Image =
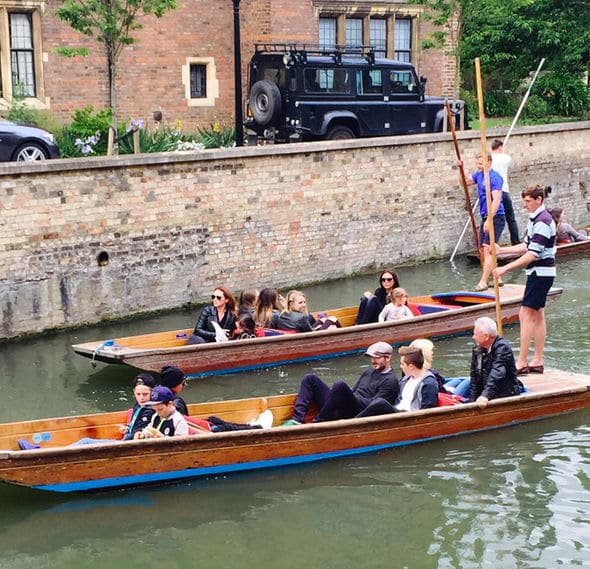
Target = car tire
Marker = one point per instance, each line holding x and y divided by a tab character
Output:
30	152
265	102
340	132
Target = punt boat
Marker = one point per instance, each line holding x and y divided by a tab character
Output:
563	250
119	464
436	316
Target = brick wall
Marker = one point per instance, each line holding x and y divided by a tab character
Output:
175	225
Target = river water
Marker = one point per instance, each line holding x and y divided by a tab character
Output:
512	498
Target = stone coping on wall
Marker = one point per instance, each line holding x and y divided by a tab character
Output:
110	162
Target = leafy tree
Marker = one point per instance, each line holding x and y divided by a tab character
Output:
511	37
111	22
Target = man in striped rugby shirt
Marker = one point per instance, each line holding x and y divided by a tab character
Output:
538	256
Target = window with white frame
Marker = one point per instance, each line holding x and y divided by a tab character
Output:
199	77
354	32
21	57
378	40
403	39
327	28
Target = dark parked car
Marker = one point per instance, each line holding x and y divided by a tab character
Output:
301	94
19	143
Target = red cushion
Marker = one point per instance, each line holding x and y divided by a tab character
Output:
446	399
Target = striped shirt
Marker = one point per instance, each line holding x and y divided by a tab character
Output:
541	241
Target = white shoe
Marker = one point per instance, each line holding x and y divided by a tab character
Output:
264	420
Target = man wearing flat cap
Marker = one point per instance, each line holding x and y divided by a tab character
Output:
342	402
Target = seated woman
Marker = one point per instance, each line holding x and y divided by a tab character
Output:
221	312
247	302
396	309
566	233
372	304
295	316
269	302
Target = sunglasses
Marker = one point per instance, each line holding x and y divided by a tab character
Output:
386	279
217	296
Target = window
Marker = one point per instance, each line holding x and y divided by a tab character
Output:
198	81
378	40
402	82
403	40
368	82
21	56
354	32
327	33
201	86
327	80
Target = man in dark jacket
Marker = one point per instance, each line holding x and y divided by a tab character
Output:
173	378
493	369
342	402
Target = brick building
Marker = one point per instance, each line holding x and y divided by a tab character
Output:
182	64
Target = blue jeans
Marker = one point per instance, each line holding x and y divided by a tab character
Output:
460	385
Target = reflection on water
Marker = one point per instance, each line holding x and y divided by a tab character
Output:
513	498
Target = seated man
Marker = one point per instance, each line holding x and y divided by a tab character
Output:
174	379
342	402
418	389
493	369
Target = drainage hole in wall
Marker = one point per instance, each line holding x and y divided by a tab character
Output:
102	259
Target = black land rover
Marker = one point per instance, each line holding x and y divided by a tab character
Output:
298	93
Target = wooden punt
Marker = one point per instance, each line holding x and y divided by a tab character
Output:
119	464
563	250
442	315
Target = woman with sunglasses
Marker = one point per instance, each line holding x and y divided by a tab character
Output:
372	304
222	311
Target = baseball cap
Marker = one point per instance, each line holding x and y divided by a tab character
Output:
160	394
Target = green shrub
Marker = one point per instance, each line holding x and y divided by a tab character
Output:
565	94
217	136
21	113
535	108
499	104
163	139
88	123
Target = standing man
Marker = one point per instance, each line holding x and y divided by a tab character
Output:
493	371
492	214
500	163
342	402
538	256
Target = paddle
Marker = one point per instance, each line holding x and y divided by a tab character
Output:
486	169
451	121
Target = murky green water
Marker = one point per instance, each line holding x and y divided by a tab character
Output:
517	497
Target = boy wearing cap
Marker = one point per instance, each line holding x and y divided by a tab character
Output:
173	378
166	421
342	402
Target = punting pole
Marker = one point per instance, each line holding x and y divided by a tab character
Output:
486	171
522	104
451	122
505	142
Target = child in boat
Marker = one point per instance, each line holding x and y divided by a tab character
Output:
245	327
174	379
139	416
396	309
166	421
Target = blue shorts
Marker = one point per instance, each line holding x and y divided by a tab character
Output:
499	224
535	292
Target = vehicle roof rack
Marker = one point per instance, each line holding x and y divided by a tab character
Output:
302	51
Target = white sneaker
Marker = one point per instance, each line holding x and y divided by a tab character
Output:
264	420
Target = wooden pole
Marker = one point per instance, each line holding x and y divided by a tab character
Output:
486	170
451	122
